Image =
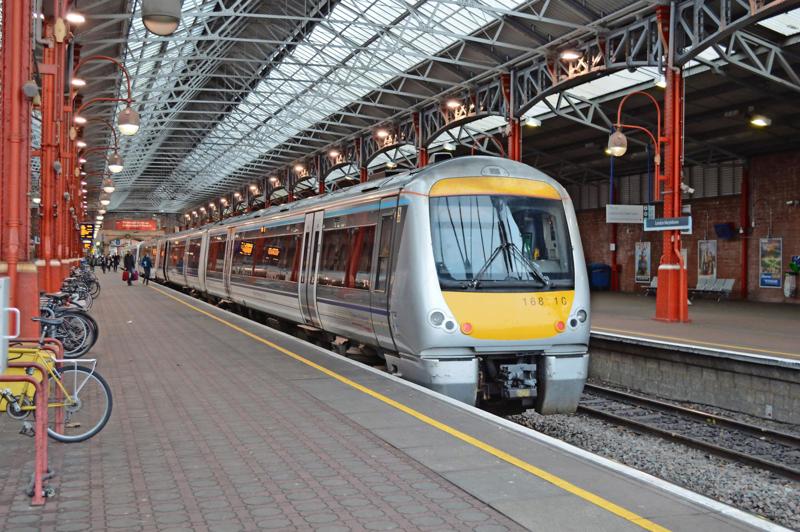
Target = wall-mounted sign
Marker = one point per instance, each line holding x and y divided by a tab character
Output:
683	223
625	214
642	257
706	260
87	232
136	225
769	263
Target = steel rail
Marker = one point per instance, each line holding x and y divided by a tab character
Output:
783	438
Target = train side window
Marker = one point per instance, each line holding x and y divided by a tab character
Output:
361	259
242	263
384	251
334	257
216	254
176	256
193	260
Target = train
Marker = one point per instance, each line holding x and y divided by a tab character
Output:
466	276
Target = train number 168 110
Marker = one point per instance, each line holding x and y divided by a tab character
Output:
538	301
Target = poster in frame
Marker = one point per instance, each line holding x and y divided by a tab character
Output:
642	265
706	260
770	259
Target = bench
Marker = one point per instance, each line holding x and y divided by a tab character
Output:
651	288
717	288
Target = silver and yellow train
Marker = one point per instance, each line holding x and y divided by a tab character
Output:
466	276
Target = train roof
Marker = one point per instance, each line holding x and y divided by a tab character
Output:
447	168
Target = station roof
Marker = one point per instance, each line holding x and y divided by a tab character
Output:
246	87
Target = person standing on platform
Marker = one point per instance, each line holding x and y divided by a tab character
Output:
116	261
103	263
130	265
146	265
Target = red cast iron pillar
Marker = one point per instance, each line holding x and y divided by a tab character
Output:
514	130
672	297
422	150
16	115
50	268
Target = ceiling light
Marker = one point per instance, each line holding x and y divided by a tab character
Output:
237	195
661	82
223	201
73	17
83	183
80	144
298	168
570	55
253	188
194	213
391	164
334	153
115	164
449	146
78	82
128	121
161	16
36	199
452	103
202	209
101	211
760	120
99	217
108	186
382	133
533	122
78	119
82	160
273	179
617	143
105	201
84	191
212	206
83	173
607	150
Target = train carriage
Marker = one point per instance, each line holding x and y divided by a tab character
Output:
466	276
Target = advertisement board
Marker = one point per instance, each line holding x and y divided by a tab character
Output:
770	259
706	260
136	225
642	257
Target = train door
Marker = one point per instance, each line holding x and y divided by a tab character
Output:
226	275
309	263
382	259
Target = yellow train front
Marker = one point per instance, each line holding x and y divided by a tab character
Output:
490	298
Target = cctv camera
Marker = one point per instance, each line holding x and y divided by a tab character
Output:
686	189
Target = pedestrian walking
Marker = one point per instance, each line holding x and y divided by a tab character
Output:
103	263
129	263
146	263
115	261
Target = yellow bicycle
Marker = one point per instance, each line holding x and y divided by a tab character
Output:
79	398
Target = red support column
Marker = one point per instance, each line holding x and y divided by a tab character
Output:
50	271
422	150
672	295
15	260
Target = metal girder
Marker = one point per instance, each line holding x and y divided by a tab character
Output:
484	100
761	57
702	24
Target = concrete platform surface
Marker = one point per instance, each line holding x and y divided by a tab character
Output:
761	328
222	424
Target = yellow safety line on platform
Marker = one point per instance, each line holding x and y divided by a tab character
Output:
689	341
502	455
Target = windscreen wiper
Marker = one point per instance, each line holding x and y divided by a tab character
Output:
476	279
534	268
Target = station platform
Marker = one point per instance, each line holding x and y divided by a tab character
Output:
765	329
220	423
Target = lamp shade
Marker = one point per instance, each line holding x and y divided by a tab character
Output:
108	186
128	121
161	16
617	143
115	164
105	201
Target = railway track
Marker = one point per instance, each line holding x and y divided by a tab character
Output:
775	451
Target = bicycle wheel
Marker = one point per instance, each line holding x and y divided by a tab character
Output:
87	408
75	333
94	288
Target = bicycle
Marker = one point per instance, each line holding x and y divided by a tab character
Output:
79	398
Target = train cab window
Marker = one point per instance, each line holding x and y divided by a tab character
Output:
242	260
384	252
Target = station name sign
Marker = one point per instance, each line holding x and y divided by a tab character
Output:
682	223
625	214
135	225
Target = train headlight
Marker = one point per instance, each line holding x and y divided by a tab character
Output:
582	315
436	318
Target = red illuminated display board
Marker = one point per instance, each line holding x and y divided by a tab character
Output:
135	225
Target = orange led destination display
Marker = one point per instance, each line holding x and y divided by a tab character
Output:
135	225
87	231
246	248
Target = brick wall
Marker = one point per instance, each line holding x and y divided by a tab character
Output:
774	179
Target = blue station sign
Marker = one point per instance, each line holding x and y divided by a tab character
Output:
682	223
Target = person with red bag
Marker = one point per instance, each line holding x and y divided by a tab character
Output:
130	268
